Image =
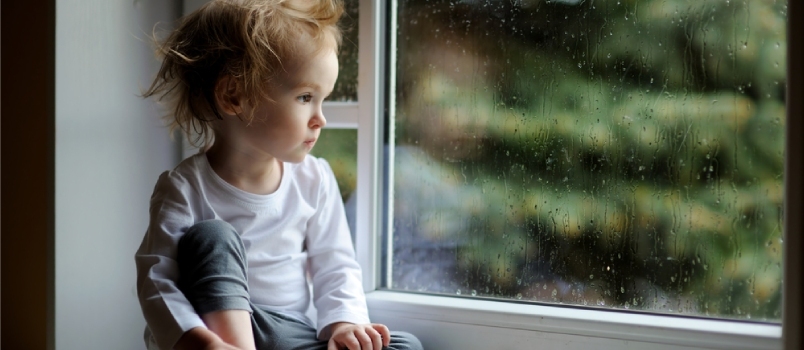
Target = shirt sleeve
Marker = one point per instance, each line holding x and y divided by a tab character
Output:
337	285
168	313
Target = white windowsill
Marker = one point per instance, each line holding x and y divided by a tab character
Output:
505	325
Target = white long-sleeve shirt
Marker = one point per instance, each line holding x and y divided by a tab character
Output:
300	228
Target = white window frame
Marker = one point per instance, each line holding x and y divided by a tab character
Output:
444	322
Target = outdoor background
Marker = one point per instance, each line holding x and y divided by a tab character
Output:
624	154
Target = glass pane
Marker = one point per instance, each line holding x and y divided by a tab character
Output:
618	154
339	148
346	85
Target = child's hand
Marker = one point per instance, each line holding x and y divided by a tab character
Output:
358	336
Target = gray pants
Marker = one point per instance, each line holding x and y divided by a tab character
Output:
212	275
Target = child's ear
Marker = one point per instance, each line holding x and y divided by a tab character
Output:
228	96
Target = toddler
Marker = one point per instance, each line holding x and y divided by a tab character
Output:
237	230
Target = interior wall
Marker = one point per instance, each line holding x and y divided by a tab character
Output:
110	147
192	5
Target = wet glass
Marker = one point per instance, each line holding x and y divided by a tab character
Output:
607	154
346	85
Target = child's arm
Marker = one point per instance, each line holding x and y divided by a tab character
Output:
202	338
358	337
337	284
168	313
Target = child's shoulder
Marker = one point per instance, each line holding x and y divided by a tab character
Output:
181	177
194	172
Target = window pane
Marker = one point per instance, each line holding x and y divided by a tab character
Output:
346	85
339	148
619	154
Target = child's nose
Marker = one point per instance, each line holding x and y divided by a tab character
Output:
318	120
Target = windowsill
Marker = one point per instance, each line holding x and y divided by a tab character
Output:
533	321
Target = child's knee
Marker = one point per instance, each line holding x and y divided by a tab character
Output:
208	232
212	267
404	341
211	239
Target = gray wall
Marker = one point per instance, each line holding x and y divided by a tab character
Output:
192	5
110	147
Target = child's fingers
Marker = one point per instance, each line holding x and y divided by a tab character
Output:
332	345
376	338
347	340
364	338
384	333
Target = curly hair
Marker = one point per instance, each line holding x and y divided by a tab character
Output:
245	39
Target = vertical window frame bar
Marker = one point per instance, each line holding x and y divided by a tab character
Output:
370	93
391	91
794	191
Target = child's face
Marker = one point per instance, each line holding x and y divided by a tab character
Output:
288	126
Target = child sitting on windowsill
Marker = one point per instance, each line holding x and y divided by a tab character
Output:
235	230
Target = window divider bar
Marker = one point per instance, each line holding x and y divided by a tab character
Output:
369	141
792	305
389	162
342	115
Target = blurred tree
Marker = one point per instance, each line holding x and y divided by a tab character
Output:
620	153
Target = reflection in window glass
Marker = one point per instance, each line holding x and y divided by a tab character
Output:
346	85
621	154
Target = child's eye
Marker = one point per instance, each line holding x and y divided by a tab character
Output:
305	98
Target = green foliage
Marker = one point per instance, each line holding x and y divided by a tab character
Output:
628	153
339	148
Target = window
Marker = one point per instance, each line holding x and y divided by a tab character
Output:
623	155
561	100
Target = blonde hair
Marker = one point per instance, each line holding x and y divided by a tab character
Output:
245	39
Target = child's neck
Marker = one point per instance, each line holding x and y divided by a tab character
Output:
242	169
